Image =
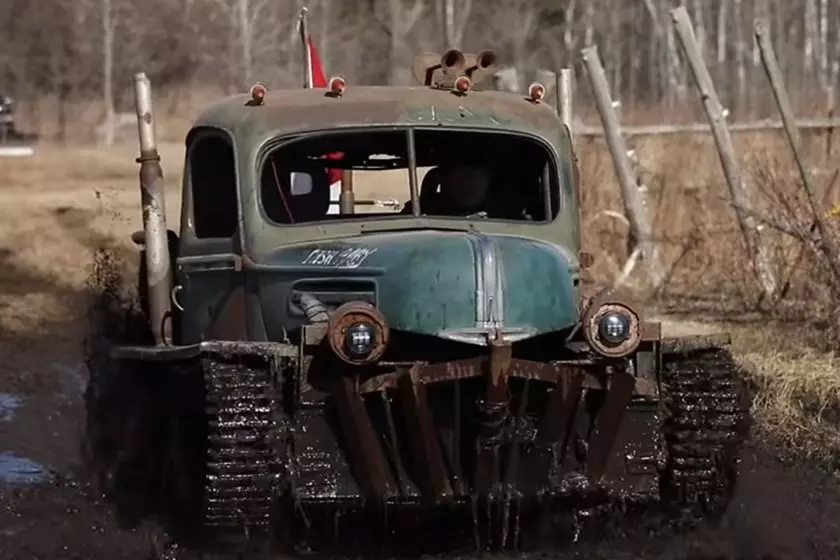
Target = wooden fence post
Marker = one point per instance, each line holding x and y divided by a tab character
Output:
634	204
714	113
774	76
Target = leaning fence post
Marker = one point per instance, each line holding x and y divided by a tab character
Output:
774	76
634	204
714	113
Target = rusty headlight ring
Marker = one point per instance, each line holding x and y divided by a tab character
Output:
358	333
612	329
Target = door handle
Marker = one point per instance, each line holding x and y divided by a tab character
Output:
211	263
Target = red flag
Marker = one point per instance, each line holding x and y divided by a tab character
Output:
319	80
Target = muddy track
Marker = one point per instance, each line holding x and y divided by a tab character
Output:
782	509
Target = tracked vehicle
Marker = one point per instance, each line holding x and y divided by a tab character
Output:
437	358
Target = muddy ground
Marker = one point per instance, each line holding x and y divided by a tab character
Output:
783	509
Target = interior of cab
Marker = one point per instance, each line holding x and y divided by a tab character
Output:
481	175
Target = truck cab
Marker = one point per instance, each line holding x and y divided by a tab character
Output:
490	213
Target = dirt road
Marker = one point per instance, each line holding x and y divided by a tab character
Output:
782	510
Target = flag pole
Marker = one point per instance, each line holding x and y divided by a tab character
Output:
303	27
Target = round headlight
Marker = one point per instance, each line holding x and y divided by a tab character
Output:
611	327
358	339
358	333
614	328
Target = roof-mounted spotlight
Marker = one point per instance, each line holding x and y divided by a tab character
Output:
536	92
462	85
337	86
258	93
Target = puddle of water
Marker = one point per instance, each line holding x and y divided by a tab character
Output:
14	469
20	470
8	405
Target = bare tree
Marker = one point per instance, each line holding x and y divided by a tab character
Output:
108	25
231	43
454	16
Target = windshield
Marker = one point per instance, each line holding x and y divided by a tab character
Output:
477	175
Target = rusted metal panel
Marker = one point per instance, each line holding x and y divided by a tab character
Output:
607	423
404	484
367	460
314	334
522	369
449	422
636	458
493	412
560	407
651	331
516	439
321	468
427	457
552	433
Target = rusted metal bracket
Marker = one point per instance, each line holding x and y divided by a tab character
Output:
553	431
494	414
428	460
607	423
518	368
367	459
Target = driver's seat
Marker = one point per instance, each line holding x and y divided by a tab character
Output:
429	195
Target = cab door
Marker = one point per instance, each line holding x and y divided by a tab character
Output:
211	283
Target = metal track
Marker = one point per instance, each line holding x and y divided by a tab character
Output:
241	472
704	428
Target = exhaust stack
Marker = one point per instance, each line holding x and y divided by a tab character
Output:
158	265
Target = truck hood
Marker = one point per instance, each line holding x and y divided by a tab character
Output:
457	285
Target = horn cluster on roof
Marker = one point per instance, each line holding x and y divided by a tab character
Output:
447	70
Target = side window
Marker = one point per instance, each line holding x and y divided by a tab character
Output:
212	169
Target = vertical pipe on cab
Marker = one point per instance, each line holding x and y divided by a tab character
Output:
412	174
158	266
346	198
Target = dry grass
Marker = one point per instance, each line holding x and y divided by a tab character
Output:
788	351
56	208
59	205
798	392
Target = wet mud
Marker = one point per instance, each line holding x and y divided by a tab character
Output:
781	511
782	508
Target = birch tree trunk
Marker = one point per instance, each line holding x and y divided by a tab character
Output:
454	21
721	39
245	41
108	72
402	20
569	40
